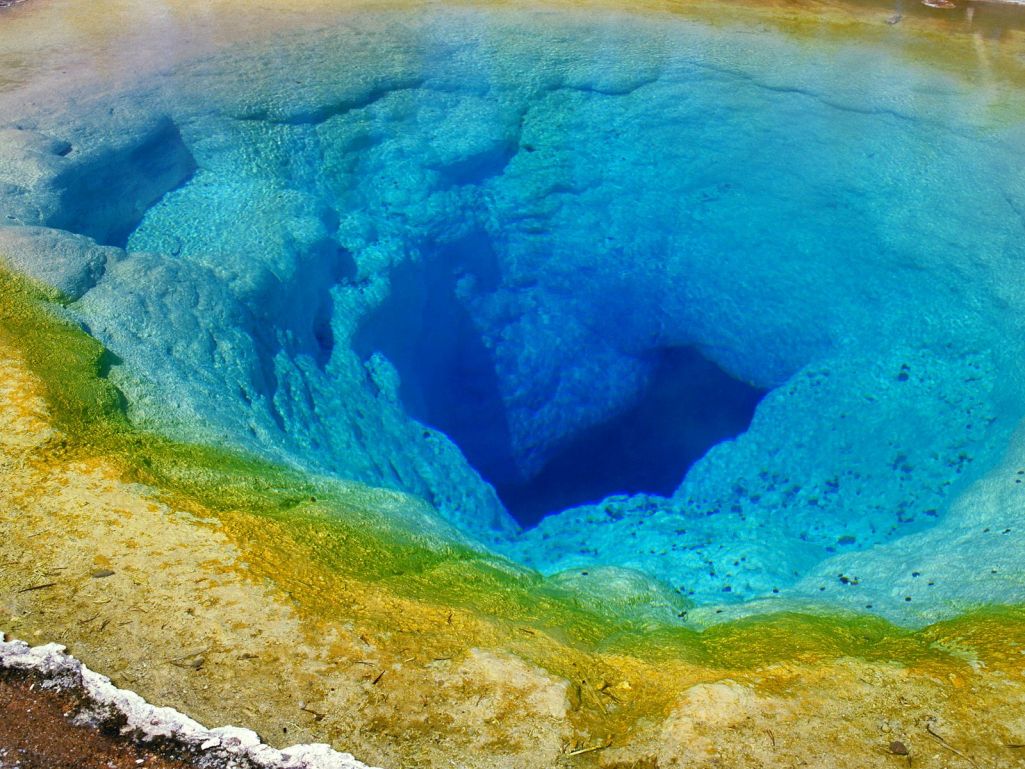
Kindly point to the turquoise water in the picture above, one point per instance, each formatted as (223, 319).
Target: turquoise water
(713, 306)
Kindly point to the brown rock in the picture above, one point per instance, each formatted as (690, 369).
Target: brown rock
(898, 748)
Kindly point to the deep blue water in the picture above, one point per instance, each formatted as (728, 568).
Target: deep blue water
(687, 406)
(741, 310)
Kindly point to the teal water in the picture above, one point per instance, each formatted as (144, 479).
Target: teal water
(715, 306)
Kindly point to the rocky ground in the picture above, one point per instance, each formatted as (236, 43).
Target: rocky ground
(58, 713)
(38, 731)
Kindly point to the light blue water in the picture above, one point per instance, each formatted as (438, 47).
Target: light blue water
(567, 257)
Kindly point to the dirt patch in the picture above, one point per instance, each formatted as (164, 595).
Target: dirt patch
(37, 732)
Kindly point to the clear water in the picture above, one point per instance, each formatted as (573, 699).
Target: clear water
(687, 406)
(692, 302)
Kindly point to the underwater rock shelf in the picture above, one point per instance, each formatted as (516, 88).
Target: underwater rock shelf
(600, 368)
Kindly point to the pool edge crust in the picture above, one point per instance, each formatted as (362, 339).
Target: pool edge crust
(110, 708)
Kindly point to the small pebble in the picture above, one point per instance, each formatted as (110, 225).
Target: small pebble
(898, 748)
(101, 573)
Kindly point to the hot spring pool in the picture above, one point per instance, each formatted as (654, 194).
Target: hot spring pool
(742, 328)
(731, 319)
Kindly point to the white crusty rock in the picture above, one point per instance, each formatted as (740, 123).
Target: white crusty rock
(226, 746)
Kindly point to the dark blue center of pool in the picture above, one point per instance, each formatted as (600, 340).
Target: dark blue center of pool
(683, 405)
(687, 405)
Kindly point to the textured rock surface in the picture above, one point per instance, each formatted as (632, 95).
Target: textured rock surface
(125, 710)
(98, 186)
(70, 263)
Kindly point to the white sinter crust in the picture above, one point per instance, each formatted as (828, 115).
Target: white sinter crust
(226, 746)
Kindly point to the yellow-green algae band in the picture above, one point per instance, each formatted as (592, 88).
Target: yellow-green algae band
(329, 549)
